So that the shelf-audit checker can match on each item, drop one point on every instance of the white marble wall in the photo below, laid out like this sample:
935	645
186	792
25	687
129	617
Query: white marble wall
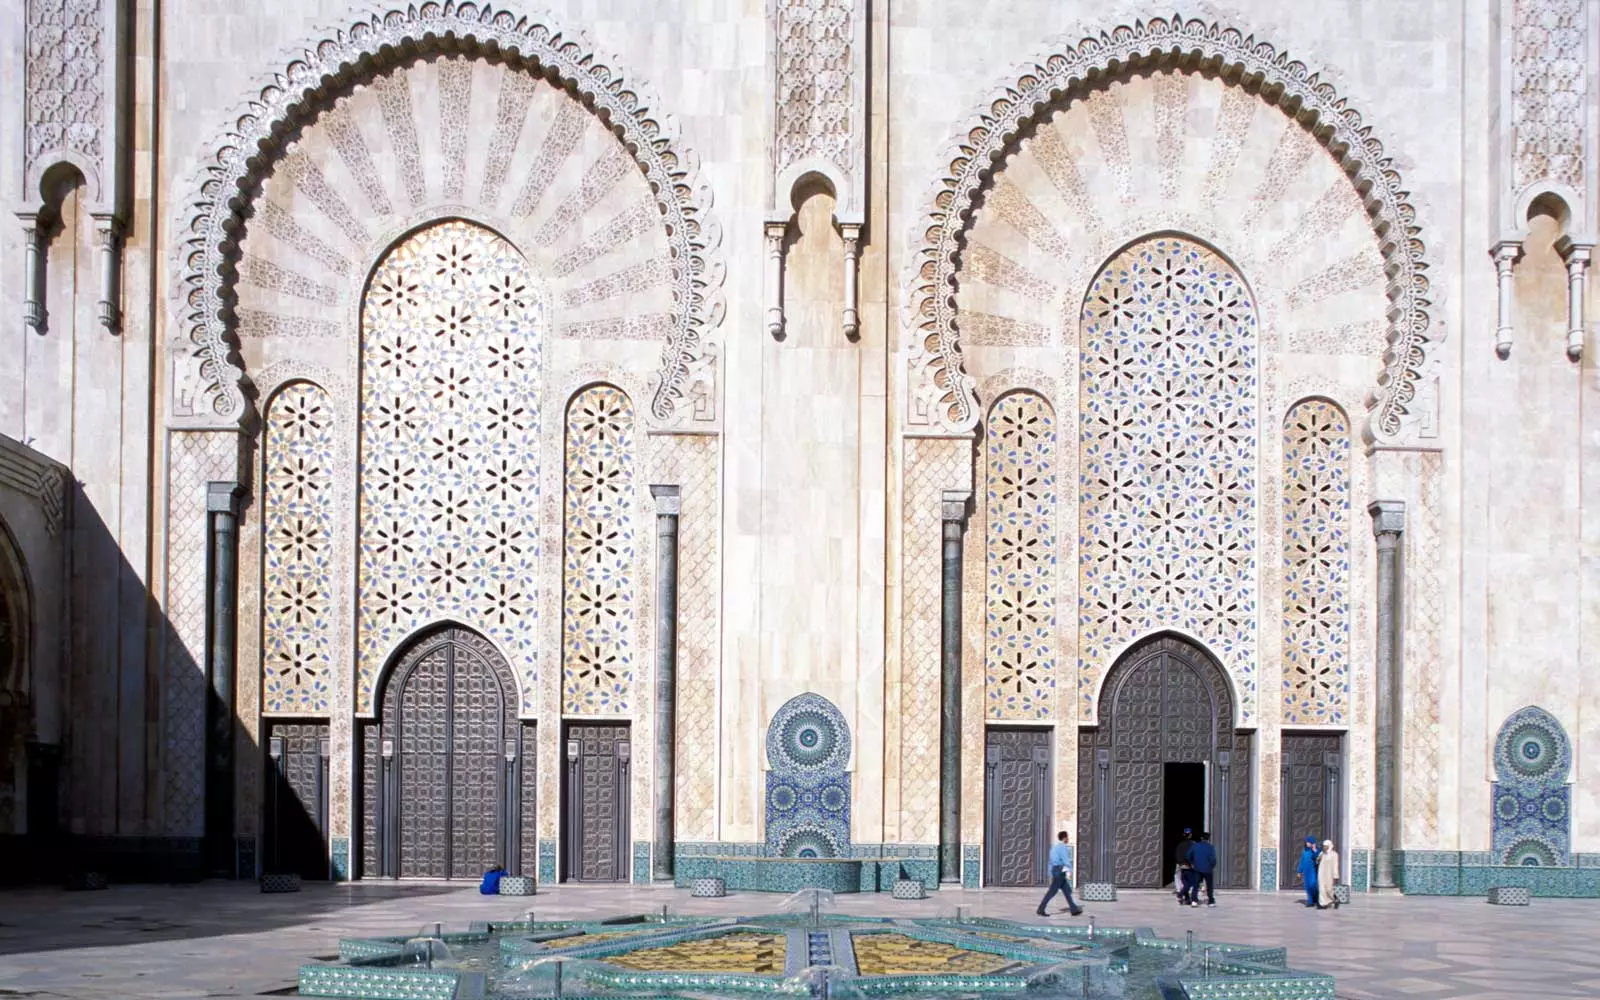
812	581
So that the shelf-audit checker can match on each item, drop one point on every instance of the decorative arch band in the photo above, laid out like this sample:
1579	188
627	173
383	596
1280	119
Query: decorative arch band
1071	68
259	132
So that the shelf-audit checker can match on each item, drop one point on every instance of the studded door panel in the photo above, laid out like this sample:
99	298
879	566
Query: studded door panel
436	802
422	755
1309	779
1016	806
1165	701
597	803
297	800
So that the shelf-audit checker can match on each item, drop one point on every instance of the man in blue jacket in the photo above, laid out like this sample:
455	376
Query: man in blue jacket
1060	876
1203	856
1307	870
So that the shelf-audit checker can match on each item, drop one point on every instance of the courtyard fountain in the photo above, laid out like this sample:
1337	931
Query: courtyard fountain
805	950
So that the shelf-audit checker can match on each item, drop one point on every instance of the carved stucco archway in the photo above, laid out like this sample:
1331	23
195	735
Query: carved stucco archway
251	147
941	395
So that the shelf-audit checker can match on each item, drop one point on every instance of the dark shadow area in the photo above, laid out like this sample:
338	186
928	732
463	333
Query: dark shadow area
1183	806
40	920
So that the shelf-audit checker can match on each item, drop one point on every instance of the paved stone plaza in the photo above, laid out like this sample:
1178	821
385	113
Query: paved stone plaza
220	939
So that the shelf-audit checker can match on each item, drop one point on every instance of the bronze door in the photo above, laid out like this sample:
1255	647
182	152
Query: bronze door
1311	805
1016	806
596	803
1165	701
447	769
297	800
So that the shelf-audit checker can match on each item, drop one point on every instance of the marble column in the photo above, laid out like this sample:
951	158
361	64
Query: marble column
32	271
955	505
1388	524
1576	256
668	504
222	630
108	246
1506	253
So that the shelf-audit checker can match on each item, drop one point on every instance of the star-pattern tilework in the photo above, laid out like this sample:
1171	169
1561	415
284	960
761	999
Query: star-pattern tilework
1316	564
1532	824
1020	499
597	568
450	387
1168	459
297	521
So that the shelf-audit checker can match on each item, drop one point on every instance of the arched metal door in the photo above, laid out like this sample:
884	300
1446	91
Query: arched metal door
448	749
1165	701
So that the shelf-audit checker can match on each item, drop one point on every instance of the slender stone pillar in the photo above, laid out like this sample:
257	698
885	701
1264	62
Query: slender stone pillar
1506	253
1388	524
1576	256
955	503
32	271
222	630
668	504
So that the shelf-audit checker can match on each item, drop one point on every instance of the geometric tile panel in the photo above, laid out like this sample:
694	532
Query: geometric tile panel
1020	502
297	524
808	787
450	388
1316	564
597	611
196	458
1532	824
1167	460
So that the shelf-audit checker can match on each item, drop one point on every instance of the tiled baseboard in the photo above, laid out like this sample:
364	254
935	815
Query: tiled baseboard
870	867
1473	873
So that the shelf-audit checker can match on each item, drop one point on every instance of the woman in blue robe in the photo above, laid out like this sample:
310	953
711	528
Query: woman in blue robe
1307	870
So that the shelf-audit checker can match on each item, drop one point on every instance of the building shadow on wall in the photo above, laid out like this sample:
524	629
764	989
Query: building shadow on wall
126	738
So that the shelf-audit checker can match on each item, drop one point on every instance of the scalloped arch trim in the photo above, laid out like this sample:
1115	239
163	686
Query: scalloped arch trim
942	394
255	138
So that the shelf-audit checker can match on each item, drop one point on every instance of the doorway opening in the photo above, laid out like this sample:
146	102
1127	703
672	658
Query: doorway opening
1183	807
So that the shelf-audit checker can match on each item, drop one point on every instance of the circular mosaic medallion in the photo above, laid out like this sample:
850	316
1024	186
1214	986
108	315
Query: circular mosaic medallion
1530	852
1554	809
1531	746
808	734
782	797
1507	807
807	842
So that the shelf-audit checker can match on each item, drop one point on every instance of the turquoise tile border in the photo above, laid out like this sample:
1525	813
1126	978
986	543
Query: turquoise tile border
339	869
547	862
641	862
1360	874
1269	869
1466	873
971	866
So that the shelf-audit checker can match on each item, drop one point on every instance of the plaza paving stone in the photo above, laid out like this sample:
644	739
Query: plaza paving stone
223	939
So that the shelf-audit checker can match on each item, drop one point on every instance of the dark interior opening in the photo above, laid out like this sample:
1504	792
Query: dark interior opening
1183	805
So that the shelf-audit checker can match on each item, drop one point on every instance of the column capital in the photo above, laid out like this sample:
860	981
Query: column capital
1388	517
1575	253
222	497
775	230
955	504
669	499
1506	253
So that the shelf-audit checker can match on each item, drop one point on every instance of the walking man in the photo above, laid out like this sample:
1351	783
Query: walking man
1203	856
1184	875
1060	876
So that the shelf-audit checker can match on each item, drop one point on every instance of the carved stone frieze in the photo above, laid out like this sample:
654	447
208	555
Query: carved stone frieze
1548	82
941	394
213	388
65	82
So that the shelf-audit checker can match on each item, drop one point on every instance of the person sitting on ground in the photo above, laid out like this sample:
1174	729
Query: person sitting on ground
1307	870
491	881
1203	856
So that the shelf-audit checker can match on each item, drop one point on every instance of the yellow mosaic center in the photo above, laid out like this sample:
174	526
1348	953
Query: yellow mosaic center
754	953
898	955
572	940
